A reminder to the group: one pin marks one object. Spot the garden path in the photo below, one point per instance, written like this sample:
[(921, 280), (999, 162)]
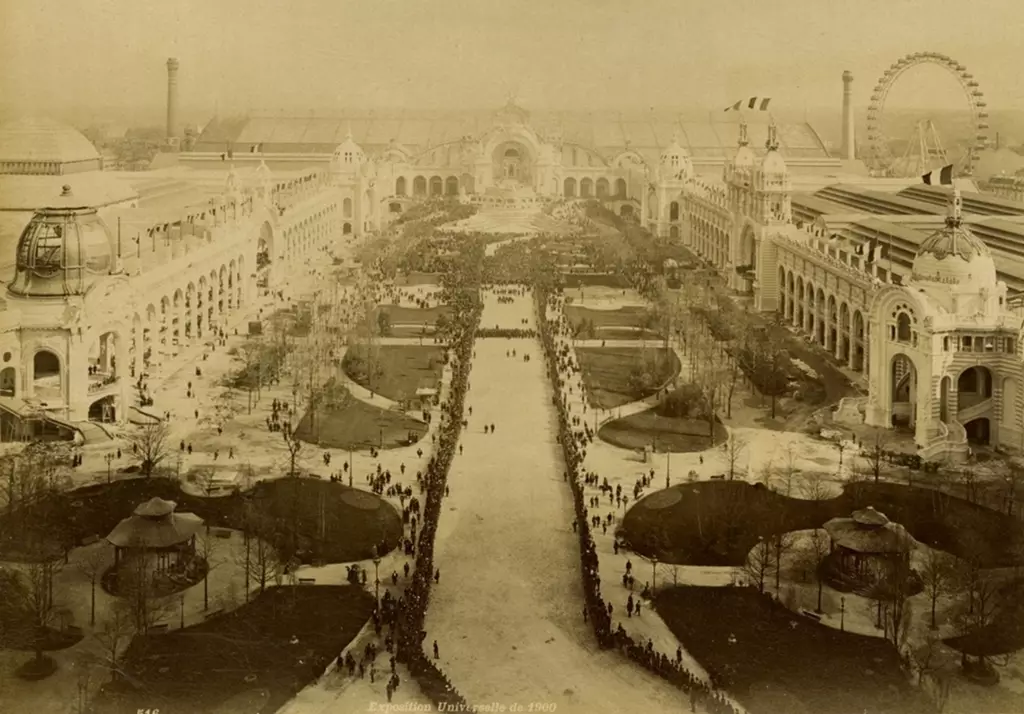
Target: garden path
[(507, 612)]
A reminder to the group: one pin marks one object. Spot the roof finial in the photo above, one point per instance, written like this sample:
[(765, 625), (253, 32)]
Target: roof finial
[(772, 144), (743, 140), (348, 131), (956, 210)]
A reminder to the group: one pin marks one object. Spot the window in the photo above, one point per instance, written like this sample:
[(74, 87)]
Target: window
[(903, 327), (1010, 345), (965, 343), (990, 344), (945, 344)]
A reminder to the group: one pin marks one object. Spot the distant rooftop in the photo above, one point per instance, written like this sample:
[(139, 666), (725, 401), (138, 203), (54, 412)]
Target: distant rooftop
[(606, 133)]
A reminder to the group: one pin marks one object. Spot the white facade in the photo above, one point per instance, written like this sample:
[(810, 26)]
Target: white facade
[(940, 347), (92, 307)]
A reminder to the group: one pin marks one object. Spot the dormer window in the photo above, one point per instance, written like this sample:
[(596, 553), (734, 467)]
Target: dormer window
[(348, 157), (675, 161)]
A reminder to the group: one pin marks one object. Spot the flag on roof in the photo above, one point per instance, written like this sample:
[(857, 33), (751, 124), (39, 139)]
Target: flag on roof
[(758, 104), (868, 249), (939, 177)]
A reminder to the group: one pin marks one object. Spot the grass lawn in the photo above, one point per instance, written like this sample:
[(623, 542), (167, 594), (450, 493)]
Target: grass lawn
[(607, 372), (349, 423), (201, 667), (350, 531), (670, 434), (718, 522), (420, 332), (417, 278), (625, 333), (622, 317), (403, 369), (783, 663), (413, 315)]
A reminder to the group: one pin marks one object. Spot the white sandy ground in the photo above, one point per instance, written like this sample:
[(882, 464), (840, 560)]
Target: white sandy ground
[(507, 613)]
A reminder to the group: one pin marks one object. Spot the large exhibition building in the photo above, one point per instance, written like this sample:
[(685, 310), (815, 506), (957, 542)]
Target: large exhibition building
[(112, 274)]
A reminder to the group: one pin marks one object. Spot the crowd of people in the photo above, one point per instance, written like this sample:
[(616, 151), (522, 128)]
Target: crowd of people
[(574, 436)]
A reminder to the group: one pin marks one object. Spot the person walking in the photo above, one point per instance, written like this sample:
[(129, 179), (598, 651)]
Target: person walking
[(437, 654)]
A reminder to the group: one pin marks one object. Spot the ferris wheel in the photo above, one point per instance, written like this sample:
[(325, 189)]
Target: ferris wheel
[(879, 156)]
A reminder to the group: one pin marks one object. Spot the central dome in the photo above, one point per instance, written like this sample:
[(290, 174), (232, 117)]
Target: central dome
[(954, 256), (43, 146), (63, 250)]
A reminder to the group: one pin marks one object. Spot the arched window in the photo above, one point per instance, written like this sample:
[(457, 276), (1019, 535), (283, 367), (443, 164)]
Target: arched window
[(903, 330), (673, 211), (400, 186), (346, 208)]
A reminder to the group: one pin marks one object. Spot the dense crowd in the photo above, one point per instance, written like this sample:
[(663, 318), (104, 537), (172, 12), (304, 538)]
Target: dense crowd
[(574, 436), (409, 617)]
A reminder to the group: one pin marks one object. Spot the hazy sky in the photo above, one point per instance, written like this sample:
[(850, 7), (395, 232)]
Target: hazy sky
[(299, 54)]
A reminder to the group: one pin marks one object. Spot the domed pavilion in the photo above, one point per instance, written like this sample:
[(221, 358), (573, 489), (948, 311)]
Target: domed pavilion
[(939, 343), (155, 530)]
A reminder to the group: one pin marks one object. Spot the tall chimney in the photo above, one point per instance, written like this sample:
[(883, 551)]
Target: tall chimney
[(172, 98), (849, 143)]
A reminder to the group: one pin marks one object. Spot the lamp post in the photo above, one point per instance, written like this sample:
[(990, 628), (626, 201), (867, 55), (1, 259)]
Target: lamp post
[(181, 622), (109, 458), (842, 614), (376, 577)]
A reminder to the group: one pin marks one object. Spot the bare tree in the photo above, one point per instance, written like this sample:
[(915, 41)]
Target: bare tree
[(814, 488), (39, 602), (150, 444), (891, 594), (789, 468), (934, 673), (138, 589), (294, 446), (15, 627), (261, 561), (938, 573), (734, 450), (873, 455), (1014, 480), (114, 635), (969, 481), (759, 562), (208, 546), (92, 563), (782, 543)]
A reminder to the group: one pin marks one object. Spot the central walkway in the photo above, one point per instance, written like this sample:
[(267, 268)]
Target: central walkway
[(508, 611)]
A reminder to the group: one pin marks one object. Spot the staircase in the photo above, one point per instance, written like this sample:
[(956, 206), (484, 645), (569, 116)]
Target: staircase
[(92, 433), (949, 441), (974, 411), (137, 416)]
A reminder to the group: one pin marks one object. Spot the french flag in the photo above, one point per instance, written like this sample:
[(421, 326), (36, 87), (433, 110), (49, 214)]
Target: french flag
[(939, 177)]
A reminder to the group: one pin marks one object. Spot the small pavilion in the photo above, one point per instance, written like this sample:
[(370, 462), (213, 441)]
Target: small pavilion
[(155, 529), (868, 543)]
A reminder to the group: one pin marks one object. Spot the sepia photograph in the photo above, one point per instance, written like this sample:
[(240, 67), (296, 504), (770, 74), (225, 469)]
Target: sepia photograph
[(511, 357)]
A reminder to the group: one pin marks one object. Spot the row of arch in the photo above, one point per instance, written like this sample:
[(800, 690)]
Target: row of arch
[(831, 323), (589, 188), (709, 240), (421, 186)]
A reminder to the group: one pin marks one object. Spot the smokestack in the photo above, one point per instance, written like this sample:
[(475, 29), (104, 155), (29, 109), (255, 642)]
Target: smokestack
[(849, 141), (172, 98)]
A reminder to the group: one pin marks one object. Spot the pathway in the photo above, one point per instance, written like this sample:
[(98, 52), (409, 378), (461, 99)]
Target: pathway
[(507, 612)]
